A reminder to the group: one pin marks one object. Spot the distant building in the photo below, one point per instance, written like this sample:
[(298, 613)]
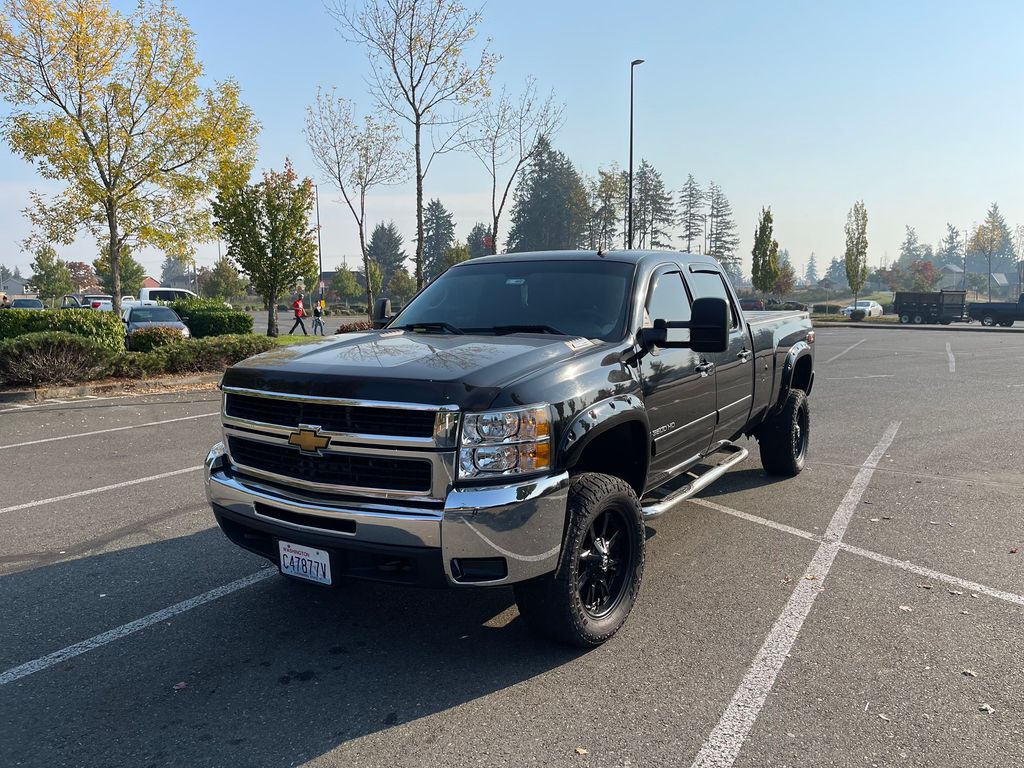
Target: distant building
[(952, 276), (14, 286), (150, 282)]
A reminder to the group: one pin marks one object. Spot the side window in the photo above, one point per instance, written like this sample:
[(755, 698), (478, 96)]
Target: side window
[(707, 285), (667, 300)]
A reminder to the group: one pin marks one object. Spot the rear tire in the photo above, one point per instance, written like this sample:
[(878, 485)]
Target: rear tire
[(1007, 324), (918, 319), (905, 318), (589, 596), (783, 439), (988, 321)]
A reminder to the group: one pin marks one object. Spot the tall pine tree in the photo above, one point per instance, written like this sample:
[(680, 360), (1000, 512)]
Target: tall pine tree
[(385, 250), (479, 240), (811, 274), (550, 210), (653, 208), (438, 237), (765, 269), (691, 213), (722, 237)]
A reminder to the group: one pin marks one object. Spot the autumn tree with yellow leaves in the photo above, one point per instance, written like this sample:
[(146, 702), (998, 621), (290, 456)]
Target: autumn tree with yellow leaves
[(111, 105)]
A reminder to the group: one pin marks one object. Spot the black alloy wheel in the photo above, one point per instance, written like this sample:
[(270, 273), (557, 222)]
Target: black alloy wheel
[(604, 563)]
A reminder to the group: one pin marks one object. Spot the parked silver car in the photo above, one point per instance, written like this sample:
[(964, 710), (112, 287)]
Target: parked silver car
[(150, 316)]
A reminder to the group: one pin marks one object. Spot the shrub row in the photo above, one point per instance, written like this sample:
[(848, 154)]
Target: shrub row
[(105, 328), (358, 325), (40, 359), (209, 317), (148, 339)]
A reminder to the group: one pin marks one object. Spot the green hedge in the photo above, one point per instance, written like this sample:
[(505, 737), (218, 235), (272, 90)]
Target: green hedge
[(51, 357), (148, 339), (105, 328), (190, 356), (209, 317)]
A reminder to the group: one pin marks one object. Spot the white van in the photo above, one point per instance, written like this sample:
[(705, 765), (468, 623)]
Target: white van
[(165, 294)]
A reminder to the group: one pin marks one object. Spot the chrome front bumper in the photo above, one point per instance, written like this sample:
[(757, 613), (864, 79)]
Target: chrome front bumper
[(522, 524)]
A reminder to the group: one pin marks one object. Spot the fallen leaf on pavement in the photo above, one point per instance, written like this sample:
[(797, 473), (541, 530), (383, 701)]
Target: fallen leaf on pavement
[(582, 751), (924, 586), (180, 686), (986, 709), (1014, 551), (954, 592), (906, 608), (873, 519), (969, 673), (810, 577), (884, 718)]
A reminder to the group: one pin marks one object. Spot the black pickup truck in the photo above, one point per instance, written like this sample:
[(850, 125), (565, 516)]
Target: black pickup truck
[(1002, 313), (517, 423)]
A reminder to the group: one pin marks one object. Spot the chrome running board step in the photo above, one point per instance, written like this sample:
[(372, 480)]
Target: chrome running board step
[(700, 482)]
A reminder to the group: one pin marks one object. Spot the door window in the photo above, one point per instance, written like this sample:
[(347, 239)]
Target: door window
[(667, 300), (710, 285)]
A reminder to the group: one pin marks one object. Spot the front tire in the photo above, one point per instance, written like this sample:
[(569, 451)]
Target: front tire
[(783, 439), (589, 596), (905, 318)]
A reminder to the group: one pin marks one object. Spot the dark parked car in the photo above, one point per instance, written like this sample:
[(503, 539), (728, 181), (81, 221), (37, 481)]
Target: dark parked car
[(27, 304), (502, 430), (137, 318)]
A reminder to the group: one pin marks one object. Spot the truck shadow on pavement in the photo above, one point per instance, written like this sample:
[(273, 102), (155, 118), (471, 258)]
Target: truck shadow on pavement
[(274, 674)]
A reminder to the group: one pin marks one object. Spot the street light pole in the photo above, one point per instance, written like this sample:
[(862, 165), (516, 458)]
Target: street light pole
[(319, 251), (629, 203)]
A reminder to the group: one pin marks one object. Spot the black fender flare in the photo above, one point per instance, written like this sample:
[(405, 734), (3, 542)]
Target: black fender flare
[(595, 420), (796, 353)]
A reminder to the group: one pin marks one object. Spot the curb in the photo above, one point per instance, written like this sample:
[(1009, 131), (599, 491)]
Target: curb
[(107, 387), (954, 328)]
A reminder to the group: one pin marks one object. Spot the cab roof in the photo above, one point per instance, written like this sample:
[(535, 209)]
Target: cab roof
[(631, 257)]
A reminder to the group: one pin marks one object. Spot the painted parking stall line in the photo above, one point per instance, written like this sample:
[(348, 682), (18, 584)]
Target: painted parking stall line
[(848, 349), (107, 431), (724, 743), (110, 636), (101, 489), (895, 562), (952, 360)]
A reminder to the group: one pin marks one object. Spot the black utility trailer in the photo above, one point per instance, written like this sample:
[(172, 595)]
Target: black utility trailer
[(942, 307)]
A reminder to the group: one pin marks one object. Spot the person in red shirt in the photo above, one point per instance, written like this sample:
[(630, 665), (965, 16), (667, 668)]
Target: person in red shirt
[(299, 312)]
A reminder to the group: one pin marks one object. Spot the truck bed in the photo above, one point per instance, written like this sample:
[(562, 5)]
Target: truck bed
[(766, 315)]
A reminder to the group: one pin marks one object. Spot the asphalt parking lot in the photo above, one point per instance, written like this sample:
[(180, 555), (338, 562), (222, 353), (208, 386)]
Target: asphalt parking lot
[(867, 612)]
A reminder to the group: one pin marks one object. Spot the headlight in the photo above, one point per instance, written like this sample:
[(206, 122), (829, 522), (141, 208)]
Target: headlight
[(509, 442)]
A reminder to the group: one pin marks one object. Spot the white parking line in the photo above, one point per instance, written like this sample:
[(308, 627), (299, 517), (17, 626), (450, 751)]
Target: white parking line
[(724, 743), (849, 348), (106, 431), (952, 360), (905, 565), (57, 657), (91, 491)]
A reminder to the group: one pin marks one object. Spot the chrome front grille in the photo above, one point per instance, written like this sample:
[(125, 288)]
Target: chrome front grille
[(372, 448)]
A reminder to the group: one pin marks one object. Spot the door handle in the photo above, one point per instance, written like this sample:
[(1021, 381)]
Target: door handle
[(705, 369), (744, 355)]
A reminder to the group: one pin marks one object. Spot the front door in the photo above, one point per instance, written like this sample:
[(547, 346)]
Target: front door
[(678, 385), (734, 368)]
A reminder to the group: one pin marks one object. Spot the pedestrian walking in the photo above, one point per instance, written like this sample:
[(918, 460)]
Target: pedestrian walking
[(299, 312), (318, 319)]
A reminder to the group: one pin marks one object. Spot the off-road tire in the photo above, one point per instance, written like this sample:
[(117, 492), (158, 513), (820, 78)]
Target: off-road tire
[(551, 604), (784, 438)]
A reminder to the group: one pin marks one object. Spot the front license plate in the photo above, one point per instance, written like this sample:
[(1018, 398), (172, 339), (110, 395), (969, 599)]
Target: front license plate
[(305, 562)]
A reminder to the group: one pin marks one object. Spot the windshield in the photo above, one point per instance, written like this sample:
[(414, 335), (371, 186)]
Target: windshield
[(864, 303), (27, 304), (573, 298), (154, 315)]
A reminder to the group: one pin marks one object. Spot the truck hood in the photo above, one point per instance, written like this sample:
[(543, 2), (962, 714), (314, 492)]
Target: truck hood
[(402, 366)]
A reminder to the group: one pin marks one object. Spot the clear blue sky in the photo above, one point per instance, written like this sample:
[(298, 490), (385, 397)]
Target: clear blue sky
[(915, 107)]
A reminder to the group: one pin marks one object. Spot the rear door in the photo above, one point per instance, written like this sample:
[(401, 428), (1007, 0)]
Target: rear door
[(734, 368), (678, 391)]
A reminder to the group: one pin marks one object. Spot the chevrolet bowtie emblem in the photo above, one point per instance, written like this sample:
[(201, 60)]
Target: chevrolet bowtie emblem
[(309, 440)]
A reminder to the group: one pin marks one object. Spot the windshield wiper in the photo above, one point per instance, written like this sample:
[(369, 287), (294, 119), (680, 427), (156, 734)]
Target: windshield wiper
[(526, 329), (432, 326)]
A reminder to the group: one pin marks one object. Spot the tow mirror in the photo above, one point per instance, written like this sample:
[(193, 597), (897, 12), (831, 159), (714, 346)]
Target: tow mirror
[(381, 312), (707, 330)]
